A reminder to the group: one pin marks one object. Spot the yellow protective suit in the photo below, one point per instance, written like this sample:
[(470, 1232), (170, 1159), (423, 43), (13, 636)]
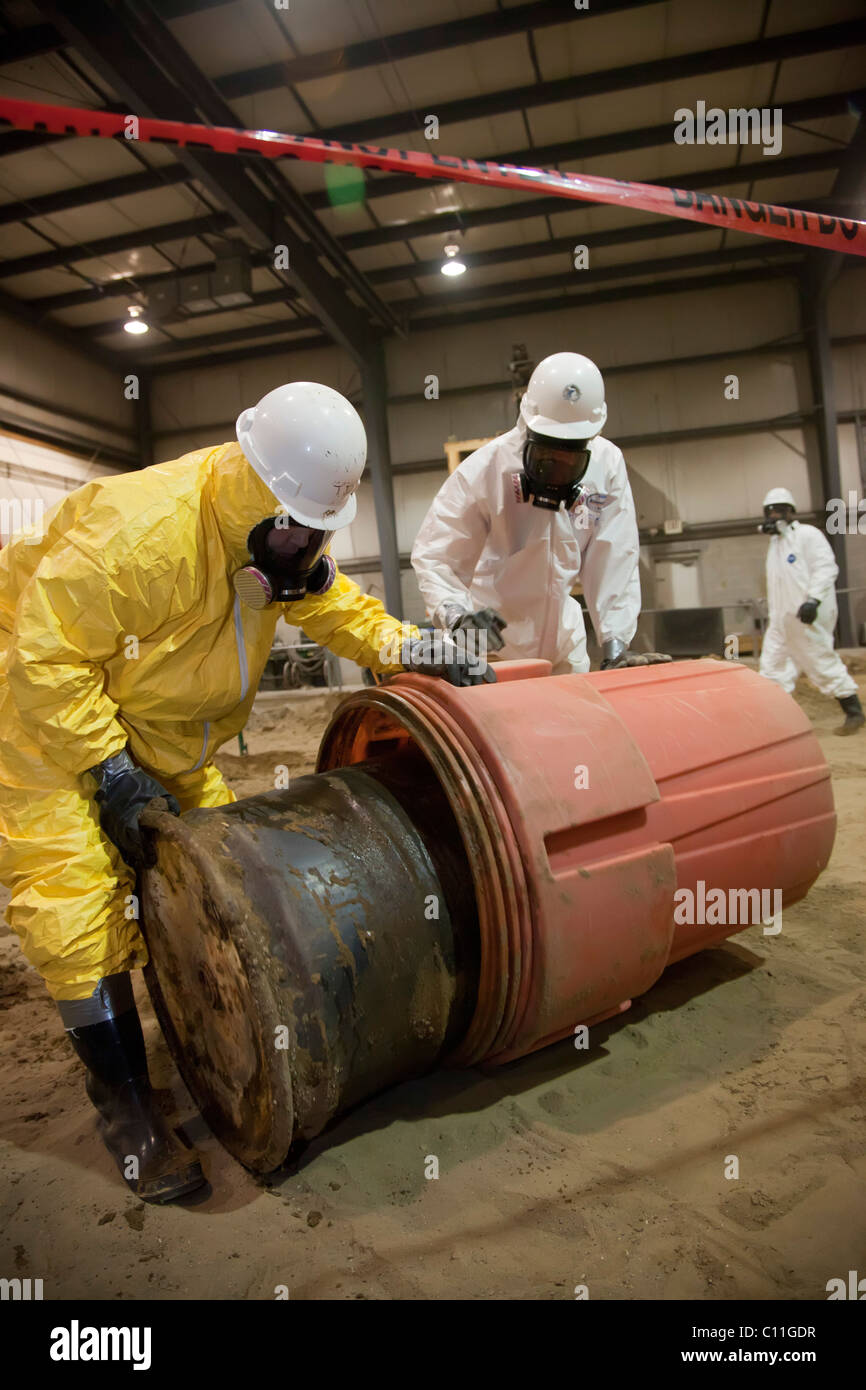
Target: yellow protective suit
[(121, 627)]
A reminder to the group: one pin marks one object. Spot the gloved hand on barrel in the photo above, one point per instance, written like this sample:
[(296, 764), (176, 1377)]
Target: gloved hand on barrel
[(616, 656), (437, 654), (486, 620), (124, 791)]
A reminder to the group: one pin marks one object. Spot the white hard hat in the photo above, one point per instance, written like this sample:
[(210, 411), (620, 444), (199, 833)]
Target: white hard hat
[(308, 445), (565, 398), (779, 496)]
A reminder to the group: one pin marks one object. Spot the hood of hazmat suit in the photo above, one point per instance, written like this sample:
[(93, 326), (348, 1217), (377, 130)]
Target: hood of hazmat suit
[(482, 546), (119, 627)]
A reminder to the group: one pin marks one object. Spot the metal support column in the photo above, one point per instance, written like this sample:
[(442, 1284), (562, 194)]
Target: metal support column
[(375, 397), (814, 289)]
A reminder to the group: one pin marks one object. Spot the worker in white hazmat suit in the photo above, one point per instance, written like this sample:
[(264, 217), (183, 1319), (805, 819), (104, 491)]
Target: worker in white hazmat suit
[(520, 519), (801, 578)]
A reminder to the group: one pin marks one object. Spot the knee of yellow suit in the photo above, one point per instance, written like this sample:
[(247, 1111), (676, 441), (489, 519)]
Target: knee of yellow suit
[(72, 902)]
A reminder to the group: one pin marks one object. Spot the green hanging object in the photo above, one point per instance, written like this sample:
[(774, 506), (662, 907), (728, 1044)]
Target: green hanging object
[(344, 184), (242, 746)]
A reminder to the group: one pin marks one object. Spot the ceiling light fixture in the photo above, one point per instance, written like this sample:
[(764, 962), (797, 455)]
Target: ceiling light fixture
[(451, 265), (135, 323)]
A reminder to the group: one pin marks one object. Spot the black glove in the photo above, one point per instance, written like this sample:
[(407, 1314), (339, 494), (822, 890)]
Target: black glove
[(808, 610), (617, 656), (436, 654), (124, 791), (485, 620)]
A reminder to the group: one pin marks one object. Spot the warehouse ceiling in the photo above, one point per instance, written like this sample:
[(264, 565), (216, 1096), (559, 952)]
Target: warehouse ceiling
[(90, 226)]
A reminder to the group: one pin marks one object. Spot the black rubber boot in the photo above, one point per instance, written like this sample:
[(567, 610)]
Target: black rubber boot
[(854, 716), (131, 1122)]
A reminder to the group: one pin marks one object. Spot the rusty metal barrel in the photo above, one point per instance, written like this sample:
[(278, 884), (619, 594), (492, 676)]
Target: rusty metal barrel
[(469, 875), (309, 947)]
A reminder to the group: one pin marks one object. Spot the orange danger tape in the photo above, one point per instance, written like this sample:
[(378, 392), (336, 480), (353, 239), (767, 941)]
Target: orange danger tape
[(711, 209)]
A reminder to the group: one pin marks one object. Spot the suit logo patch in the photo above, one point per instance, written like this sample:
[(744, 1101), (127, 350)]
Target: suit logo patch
[(791, 559), (596, 500)]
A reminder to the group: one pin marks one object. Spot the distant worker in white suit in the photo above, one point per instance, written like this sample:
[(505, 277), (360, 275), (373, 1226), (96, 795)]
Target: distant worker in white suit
[(801, 593), (519, 520)]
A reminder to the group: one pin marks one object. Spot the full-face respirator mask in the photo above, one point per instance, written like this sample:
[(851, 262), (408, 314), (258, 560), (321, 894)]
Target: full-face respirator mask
[(553, 470), (774, 524), (287, 562)]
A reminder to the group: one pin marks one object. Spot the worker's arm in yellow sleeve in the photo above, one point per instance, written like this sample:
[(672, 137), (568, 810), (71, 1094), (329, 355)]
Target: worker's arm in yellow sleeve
[(66, 626), (352, 624)]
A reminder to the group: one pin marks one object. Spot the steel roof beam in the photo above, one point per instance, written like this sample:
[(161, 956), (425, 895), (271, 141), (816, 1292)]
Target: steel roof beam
[(619, 236), (118, 289), (593, 146), (686, 283), (85, 195), (433, 38), (263, 299), (774, 49), (535, 207), (549, 207), (59, 256), (566, 151), (631, 270), (244, 354), (114, 42), (234, 335), (219, 222), (159, 42), (38, 40)]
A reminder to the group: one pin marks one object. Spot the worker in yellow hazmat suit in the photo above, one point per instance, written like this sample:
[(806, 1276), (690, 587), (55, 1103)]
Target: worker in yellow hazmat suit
[(133, 635)]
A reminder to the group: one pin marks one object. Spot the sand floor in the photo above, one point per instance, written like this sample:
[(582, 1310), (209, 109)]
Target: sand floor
[(603, 1169)]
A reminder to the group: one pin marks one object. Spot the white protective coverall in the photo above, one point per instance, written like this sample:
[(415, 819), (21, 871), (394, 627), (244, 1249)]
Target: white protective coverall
[(800, 565), (482, 546)]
